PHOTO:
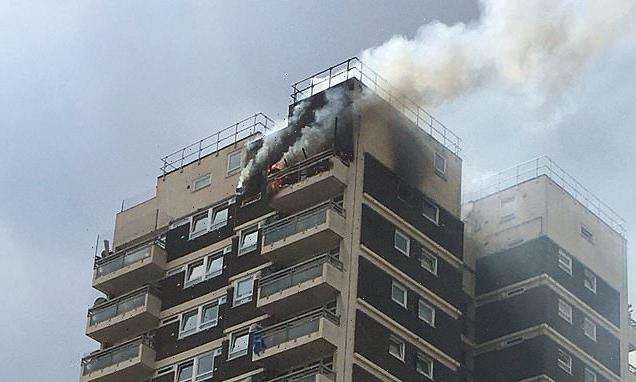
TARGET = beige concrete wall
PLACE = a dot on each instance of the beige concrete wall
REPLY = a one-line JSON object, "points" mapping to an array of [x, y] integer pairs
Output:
{"points": [[174, 197]]}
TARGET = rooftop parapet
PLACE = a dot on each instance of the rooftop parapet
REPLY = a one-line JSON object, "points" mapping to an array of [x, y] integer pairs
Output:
{"points": [[545, 166], [354, 68]]}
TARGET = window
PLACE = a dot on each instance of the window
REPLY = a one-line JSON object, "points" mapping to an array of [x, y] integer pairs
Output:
{"points": [[204, 269], [507, 218], [249, 241], [199, 369], [564, 361], [590, 376], [424, 365], [204, 317], [201, 182], [234, 162], [398, 294], [506, 201], [589, 328], [430, 210], [214, 266], [199, 224], [239, 344], [188, 323], [195, 273], [219, 219], [439, 162], [565, 311], [587, 234], [243, 291], [426, 312], [428, 261], [396, 348], [401, 242], [565, 262], [589, 280]]}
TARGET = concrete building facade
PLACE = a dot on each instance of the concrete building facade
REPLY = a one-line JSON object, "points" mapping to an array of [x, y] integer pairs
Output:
{"points": [[342, 262]]}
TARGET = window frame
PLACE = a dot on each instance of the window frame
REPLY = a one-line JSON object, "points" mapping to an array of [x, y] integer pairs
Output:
{"points": [[404, 236], [436, 208], [195, 218], [438, 171], [507, 218], [207, 177], [210, 216], [401, 345], [397, 285], [589, 280], [245, 299], [567, 268], [421, 302], [589, 372], [199, 324], [587, 321], [564, 365], [194, 363], [425, 252], [205, 263], [431, 362], [243, 234], [235, 336], [188, 282], [586, 233], [567, 314], [233, 171]]}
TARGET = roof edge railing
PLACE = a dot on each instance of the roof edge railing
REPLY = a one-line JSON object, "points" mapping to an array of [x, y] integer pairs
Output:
{"points": [[355, 68], [213, 143], [544, 165]]}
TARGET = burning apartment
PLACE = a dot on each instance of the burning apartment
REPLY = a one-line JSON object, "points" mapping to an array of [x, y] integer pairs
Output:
{"points": [[330, 249]]}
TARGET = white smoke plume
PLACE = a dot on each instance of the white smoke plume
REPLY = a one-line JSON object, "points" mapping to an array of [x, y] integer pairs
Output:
{"points": [[314, 137], [270, 140], [533, 47]]}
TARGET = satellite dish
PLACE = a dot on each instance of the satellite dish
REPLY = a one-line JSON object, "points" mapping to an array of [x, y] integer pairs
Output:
{"points": [[99, 301]]}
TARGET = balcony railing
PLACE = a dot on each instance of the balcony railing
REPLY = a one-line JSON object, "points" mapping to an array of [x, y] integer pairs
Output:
{"points": [[308, 374], [304, 169], [302, 221], [354, 68], [113, 263], [118, 306], [296, 274], [115, 355], [213, 143], [297, 327]]}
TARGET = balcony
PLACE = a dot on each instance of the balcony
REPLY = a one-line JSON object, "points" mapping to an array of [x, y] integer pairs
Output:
{"points": [[129, 362], [128, 270], [310, 231], [308, 182], [301, 286], [124, 317], [309, 336], [317, 373]]}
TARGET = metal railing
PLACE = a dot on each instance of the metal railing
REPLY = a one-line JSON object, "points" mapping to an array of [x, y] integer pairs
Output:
{"points": [[213, 143], [296, 274], [307, 374], [112, 356], [118, 306], [117, 261], [545, 166], [296, 327], [307, 168], [354, 68], [299, 222]]}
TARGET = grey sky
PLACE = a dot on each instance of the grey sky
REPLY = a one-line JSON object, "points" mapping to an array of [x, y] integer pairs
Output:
{"points": [[93, 94]]}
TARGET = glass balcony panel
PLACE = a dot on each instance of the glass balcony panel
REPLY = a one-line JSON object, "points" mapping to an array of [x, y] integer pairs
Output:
{"points": [[125, 305], [296, 225]]}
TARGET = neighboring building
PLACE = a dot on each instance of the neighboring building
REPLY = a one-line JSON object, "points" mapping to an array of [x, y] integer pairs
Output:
{"points": [[551, 279], [341, 262]]}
